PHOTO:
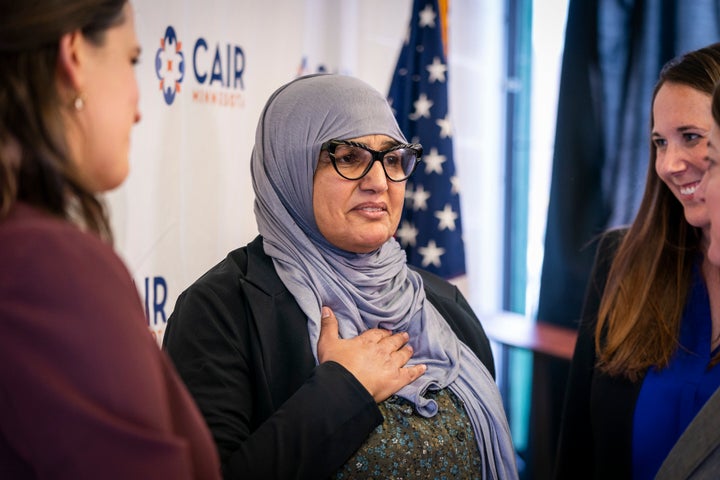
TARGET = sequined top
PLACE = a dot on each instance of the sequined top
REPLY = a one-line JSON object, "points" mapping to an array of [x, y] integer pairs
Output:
{"points": [[409, 446]]}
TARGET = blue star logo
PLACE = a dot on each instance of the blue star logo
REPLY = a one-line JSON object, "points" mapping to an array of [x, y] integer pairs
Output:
{"points": [[170, 65]]}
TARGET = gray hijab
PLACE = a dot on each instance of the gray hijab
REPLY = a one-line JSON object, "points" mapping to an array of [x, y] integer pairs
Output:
{"points": [[372, 290]]}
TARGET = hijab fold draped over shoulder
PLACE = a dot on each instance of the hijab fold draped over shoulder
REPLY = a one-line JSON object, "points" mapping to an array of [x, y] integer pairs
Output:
{"points": [[371, 290]]}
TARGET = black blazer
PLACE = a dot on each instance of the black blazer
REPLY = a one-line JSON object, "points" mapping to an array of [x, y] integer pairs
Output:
{"points": [[240, 342], [596, 426]]}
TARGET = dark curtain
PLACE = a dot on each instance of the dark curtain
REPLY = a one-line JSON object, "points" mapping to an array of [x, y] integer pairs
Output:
{"points": [[614, 51]]}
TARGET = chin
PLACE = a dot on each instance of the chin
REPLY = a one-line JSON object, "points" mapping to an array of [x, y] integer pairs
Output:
{"points": [[714, 254], [697, 217], [368, 246], [110, 183], [362, 249]]}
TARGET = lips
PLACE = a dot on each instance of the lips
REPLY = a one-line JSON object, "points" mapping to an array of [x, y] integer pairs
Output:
{"points": [[371, 207], [689, 189]]}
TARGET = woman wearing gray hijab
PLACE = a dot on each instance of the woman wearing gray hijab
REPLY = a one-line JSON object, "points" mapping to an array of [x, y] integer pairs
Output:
{"points": [[315, 351]]}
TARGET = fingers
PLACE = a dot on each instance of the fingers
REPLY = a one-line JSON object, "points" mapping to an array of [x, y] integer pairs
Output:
{"points": [[397, 340], [328, 323], [329, 334], [329, 327], [377, 358], [374, 335], [393, 344], [414, 372], [402, 355]]}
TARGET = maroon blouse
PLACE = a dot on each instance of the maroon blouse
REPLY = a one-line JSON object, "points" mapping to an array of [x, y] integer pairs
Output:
{"points": [[85, 392]]}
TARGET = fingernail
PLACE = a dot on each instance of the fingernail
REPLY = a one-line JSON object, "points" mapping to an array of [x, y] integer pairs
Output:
{"points": [[325, 312]]}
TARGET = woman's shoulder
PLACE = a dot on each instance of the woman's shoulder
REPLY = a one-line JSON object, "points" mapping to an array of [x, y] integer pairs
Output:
{"points": [[607, 245], [226, 285], [67, 290], [28, 223], [244, 264], [49, 263], [41, 247], [436, 284], [610, 239]]}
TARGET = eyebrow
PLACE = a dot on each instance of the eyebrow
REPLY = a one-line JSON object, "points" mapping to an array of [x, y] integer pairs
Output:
{"points": [[387, 145], [680, 129], [685, 128]]}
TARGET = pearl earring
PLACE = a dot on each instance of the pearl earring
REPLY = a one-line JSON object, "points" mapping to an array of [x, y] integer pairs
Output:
{"points": [[79, 103]]}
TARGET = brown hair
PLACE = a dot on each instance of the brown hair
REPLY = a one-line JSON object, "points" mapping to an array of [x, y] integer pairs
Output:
{"points": [[34, 161], [716, 103], [648, 282]]}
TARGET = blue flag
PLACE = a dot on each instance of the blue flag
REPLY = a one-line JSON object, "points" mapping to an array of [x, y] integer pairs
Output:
{"points": [[430, 229]]}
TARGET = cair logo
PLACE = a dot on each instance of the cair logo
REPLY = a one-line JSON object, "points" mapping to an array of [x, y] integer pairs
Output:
{"points": [[170, 65], [217, 71]]}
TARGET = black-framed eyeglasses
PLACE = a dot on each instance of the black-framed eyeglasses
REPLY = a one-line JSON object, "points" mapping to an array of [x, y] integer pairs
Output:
{"points": [[353, 160]]}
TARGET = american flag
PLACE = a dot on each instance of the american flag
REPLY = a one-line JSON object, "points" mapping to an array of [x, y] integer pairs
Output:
{"points": [[430, 229]]}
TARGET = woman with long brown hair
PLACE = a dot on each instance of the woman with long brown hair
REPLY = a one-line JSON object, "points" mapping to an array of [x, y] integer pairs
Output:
{"points": [[696, 453], [648, 342], [85, 392]]}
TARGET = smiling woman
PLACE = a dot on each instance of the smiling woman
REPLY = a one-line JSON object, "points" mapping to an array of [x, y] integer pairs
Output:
{"points": [[680, 132], [651, 326], [696, 453]]}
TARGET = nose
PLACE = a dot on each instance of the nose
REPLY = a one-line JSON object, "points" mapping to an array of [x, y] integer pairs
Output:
{"points": [[672, 160], [375, 179], [138, 117]]}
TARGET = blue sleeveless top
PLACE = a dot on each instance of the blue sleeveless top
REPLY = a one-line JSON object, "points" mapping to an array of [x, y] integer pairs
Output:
{"points": [[670, 398]]}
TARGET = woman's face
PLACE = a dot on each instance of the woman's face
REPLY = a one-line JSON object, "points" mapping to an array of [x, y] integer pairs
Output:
{"points": [[357, 215], [682, 122], [709, 192], [110, 94]]}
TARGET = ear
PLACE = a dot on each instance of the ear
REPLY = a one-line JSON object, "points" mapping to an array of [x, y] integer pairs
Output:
{"points": [[70, 63]]}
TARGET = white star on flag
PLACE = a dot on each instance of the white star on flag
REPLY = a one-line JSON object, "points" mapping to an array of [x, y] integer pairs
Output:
{"points": [[437, 71], [447, 218], [427, 17], [445, 127], [422, 107], [409, 193], [407, 234], [455, 182], [420, 198], [431, 254], [433, 161]]}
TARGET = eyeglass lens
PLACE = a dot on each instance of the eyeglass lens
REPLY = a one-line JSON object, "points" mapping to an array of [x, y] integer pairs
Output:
{"points": [[353, 162]]}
